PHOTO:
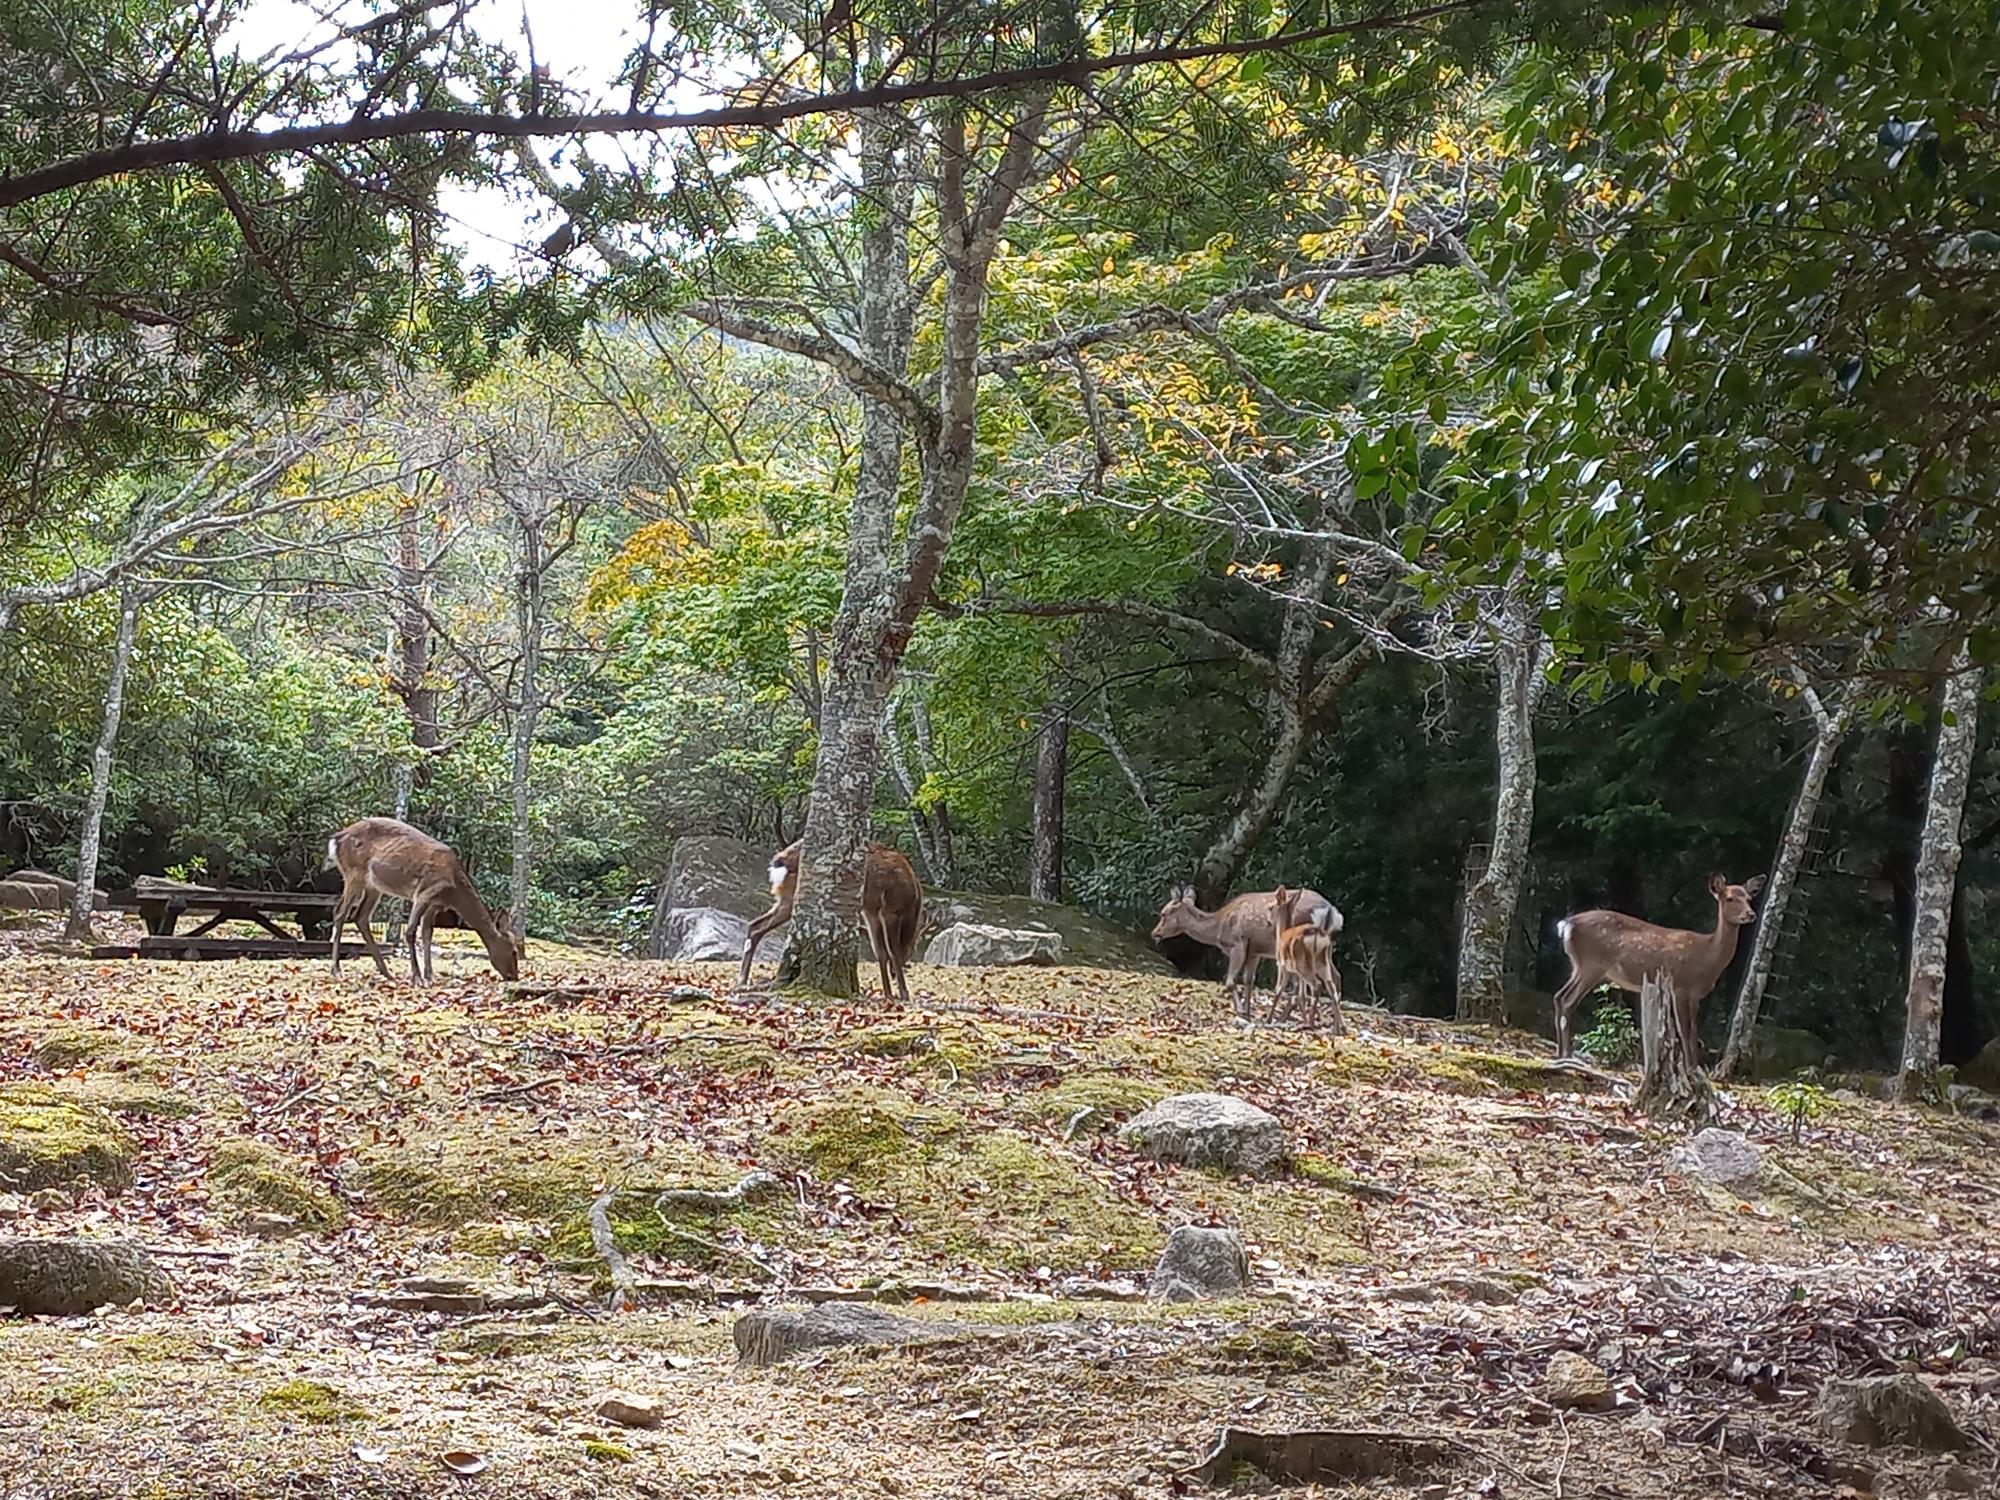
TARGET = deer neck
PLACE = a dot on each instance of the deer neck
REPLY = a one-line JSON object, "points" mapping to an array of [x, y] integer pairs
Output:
{"points": [[472, 909], [1721, 945], [1205, 927]]}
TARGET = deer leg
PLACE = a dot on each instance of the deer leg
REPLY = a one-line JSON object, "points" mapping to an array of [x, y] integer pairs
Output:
{"points": [[343, 909], [759, 927], [361, 916], [416, 926], [1333, 998], [430, 946], [1580, 983], [1232, 984], [878, 939]]}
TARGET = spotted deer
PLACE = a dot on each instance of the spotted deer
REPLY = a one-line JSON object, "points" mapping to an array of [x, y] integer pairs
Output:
{"points": [[892, 911], [1610, 945], [1244, 928], [380, 857], [1305, 959]]}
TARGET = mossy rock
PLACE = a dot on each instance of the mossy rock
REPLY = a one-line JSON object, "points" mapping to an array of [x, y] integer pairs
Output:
{"points": [[250, 1176], [853, 1136], [1287, 1349], [1781, 1051], [988, 1197], [1108, 1097], [1089, 941], [49, 1141], [62, 1045], [600, 1451], [1471, 1071], [310, 1401], [124, 1094]]}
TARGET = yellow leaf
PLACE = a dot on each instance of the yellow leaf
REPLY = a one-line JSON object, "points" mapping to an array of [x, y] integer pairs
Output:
{"points": [[1109, 264]]}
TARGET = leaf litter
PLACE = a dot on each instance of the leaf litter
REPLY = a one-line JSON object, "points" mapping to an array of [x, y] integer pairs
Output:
{"points": [[1457, 1217]]}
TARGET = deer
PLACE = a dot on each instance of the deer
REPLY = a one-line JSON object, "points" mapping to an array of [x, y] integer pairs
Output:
{"points": [[1244, 928], [1305, 958], [1610, 945], [380, 857], [892, 910]]}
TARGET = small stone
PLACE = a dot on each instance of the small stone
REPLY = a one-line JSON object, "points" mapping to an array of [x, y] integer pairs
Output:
{"points": [[629, 1410], [1200, 1262], [12, 1206], [1727, 1157], [1880, 1411], [1576, 1383], [1211, 1130], [1434, 1492], [270, 1225], [1959, 1480], [51, 1201]]}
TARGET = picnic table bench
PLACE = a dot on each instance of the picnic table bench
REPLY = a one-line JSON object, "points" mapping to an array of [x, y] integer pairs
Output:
{"points": [[161, 904]]}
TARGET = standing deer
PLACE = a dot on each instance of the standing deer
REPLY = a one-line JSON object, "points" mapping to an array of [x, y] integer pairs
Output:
{"points": [[1610, 945], [1244, 928], [892, 910], [1305, 958], [380, 857]]}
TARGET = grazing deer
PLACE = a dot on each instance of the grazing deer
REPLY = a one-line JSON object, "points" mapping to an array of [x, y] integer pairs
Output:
{"points": [[1305, 958], [1610, 945], [892, 910], [1244, 928], [380, 857]]}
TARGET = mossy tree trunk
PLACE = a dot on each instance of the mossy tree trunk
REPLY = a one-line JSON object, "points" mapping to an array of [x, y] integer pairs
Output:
{"points": [[1520, 658], [1937, 878]]}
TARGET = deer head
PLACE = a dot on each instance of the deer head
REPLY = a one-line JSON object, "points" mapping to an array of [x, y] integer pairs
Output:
{"points": [[1733, 903], [1175, 914], [507, 950]]}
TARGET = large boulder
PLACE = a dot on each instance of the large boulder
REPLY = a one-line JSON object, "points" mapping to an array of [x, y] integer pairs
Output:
{"points": [[1200, 1262], [975, 945], [1211, 1130], [733, 876], [59, 1278], [1983, 1071], [1878, 1411], [1780, 1051], [1725, 1157], [708, 934]]}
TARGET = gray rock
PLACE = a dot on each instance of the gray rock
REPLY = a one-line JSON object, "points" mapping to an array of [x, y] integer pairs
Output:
{"points": [[973, 944], [703, 934], [1211, 1130], [1983, 1071], [1576, 1383], [63, 1277], [1889, 1411], [1199, 1262], [1721, 1156], [1880, 1411], [765, 1335]]}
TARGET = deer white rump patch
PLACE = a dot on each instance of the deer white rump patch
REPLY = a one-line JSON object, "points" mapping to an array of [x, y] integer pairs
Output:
{"points": [[332, 853], [779, 875], [1562, 931]]}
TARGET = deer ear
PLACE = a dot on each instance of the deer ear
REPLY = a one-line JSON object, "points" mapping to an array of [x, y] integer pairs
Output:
{"points": [[1753, 885], [1717, 885]]}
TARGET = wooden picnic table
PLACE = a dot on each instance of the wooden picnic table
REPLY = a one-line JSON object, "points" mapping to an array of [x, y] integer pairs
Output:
{"points": [[161, 904]]}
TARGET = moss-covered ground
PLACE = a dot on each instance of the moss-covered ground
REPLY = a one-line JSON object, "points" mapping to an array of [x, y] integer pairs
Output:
{"points": [[968, 1146]]}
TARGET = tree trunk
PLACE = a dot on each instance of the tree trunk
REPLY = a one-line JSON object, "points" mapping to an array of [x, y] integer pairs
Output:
{"points": [[1937, 878], [1487, 926], [1671, 1086], [1828, 732], [528, 623], [1045, 865], [413, 642], [1216, 871], [77, 930], [821, 948]]}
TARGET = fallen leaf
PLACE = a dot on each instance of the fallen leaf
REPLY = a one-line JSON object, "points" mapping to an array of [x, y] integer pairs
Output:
{"points": [[463, 1463]]}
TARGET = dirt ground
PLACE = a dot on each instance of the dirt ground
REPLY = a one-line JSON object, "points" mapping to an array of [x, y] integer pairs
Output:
{"points": [[295, 1149]]}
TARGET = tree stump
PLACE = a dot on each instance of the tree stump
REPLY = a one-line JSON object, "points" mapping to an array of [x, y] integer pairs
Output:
{"points": [[1671, 1083]]}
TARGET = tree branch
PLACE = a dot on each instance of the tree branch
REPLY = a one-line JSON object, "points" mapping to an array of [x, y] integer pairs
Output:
{"points": [[222, 144], [863, 376]]}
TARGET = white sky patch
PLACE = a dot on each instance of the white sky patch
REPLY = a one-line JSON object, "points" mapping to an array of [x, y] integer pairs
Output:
{"points": [[583, 43]]}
